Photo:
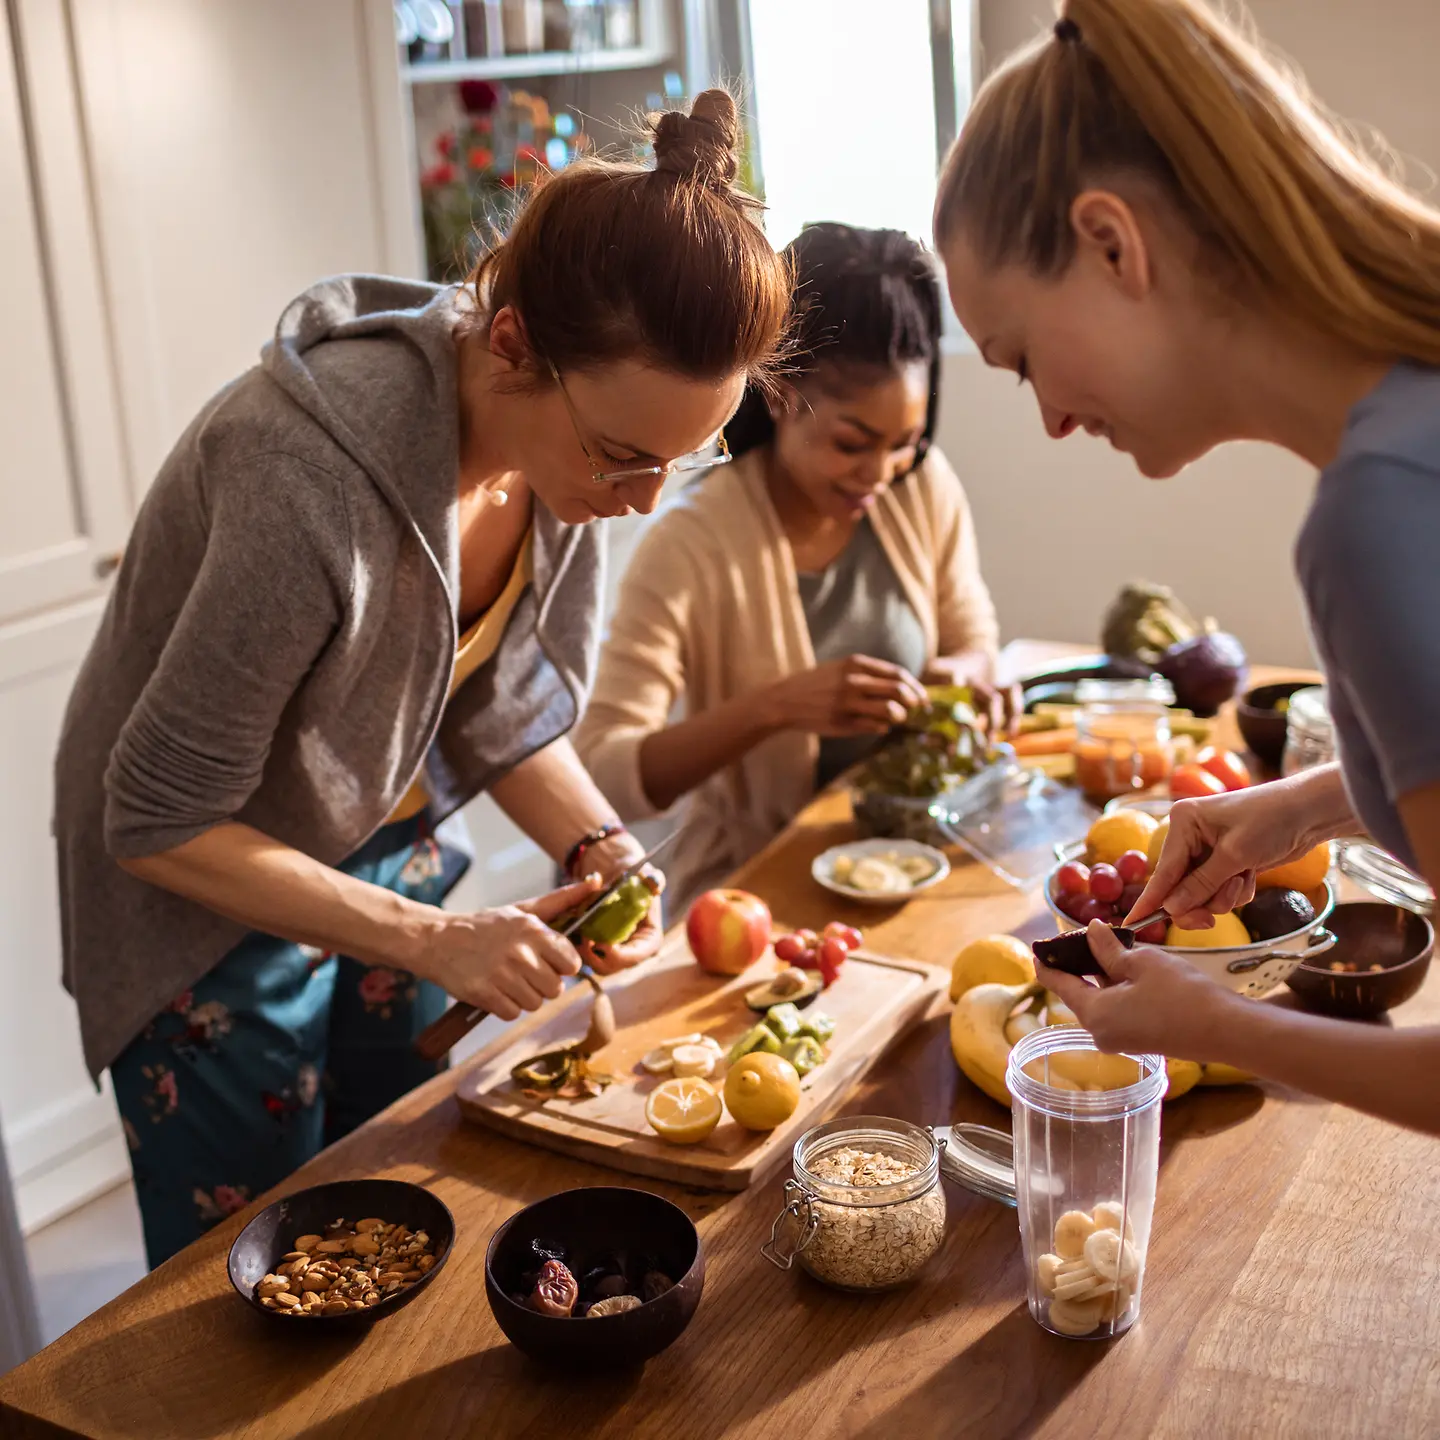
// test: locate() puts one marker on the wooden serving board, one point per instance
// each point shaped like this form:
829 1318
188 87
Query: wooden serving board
875 1000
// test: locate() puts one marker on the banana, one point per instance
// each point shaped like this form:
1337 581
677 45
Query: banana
693 1060
1076 1317
1111 1256
1215 1073
1072 1233
1045 1272
1057 1012
1108 1216
1184 1077
1017 1027
977 1034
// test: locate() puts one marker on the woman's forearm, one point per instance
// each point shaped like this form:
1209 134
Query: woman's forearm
1389 1073
673 761
1324 802
247 876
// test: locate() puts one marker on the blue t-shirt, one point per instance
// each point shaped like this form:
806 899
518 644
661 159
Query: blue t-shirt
1368 557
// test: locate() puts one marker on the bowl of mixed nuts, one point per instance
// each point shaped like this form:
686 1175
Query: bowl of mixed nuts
602 1276
347 1253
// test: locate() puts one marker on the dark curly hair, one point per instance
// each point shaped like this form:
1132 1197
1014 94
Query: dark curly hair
863 298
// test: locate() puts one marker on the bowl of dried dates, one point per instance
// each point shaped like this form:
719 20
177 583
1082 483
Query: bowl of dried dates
602 1276
348 1253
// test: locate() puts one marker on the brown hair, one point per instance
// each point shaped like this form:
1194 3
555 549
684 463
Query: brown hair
1168 92
611 260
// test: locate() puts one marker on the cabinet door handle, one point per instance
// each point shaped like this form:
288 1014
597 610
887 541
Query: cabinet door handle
107 565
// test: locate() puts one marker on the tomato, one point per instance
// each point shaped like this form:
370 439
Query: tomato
1105 884
1226 766
1134 867
847 935
1190 782
1073 879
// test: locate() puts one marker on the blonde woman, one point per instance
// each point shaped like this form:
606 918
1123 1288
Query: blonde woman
795 600
1153 226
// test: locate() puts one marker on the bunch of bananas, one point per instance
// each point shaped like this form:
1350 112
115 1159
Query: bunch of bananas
998 1001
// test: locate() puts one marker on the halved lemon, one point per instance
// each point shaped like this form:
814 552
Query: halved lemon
683 1111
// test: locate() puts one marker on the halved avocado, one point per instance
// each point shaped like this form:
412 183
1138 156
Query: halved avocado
793 987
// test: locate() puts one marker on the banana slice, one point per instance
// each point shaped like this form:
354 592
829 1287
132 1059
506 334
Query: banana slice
711 1043
676 1041
1072 1230
657 1062
1075 1317
1110 1216
1088 1286
1117 1304
1046 1268
693 1060
1112 1256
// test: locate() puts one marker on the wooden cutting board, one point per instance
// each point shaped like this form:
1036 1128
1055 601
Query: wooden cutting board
875 1000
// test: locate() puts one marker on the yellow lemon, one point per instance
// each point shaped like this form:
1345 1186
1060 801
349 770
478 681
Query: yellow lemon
683 1111
1112 835
1228 930
762 1091
1157 843
993 959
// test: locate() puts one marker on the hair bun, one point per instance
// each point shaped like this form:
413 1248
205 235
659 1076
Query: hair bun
701 145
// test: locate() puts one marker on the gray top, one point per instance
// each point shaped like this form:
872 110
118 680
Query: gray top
280 640
855 606
1368 557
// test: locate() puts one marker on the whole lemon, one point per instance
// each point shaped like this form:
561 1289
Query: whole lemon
993 959
1157 844
762 1091
1228 930
1113 834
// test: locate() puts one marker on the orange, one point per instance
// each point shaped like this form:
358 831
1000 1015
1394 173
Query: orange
1305 874
1113 834
684 1110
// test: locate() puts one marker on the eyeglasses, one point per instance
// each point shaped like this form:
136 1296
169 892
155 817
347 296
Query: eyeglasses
700 460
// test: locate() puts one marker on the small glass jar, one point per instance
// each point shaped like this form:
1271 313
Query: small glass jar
865 1211
1309 731
1087 1156
1122 741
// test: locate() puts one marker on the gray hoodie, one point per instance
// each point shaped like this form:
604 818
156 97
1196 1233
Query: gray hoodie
280 641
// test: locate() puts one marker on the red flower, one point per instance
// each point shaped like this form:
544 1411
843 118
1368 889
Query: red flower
230 1198
445 145
478 96
480 158
442 174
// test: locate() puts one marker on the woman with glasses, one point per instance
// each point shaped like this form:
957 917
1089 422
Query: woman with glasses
363 589
798 598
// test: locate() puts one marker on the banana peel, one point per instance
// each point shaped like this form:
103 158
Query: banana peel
989 1019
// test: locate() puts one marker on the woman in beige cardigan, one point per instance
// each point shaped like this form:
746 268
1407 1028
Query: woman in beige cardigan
797 598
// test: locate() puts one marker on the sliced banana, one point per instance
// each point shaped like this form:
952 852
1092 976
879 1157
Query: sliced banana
1111 1256
676 1041
711 1043
693 1060
1116 1304
1017 1027
1075 1317
1087 1286
1072 1230
1110 1216
657 1062
1045 1270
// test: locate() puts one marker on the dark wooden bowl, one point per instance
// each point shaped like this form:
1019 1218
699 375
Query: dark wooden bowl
260 1246
1261 724
587 1223
1370 933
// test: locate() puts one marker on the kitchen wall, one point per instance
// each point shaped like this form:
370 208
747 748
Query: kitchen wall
1063 524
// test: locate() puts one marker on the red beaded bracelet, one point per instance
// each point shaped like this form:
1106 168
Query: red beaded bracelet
576 853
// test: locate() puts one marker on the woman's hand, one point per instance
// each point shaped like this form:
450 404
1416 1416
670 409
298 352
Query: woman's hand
858 695
610 859
1000 706
1217 845
508 959
1151 1002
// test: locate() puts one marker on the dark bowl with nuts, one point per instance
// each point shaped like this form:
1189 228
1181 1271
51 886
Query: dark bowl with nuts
344 1254
1380 961
605 1276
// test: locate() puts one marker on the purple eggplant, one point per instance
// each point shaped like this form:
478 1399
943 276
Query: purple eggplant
1205 670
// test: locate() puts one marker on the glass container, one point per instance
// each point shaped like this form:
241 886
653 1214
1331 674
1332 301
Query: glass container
1309 732
1122 741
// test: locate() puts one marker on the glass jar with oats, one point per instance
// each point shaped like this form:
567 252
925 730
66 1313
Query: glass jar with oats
865 1210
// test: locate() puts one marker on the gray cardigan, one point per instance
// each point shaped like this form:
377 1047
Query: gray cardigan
280 641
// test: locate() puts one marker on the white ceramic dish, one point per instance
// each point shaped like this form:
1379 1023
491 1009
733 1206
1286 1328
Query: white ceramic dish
823 869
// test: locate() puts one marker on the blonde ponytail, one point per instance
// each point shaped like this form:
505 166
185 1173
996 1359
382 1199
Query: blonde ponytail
1168 91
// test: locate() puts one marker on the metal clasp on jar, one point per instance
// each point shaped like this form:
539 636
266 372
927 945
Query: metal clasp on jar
799 1204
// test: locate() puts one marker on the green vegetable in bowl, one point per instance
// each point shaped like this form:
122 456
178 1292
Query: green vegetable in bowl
939 746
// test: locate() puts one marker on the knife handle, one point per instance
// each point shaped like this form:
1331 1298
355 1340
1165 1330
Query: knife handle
436 1040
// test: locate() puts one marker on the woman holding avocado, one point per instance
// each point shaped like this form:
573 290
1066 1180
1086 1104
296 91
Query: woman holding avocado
1152 225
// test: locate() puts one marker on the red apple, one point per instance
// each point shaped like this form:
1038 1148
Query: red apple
728 930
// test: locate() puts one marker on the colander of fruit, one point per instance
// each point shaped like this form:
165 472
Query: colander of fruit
1251 950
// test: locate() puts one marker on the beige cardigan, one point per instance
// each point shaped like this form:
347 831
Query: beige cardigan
710 609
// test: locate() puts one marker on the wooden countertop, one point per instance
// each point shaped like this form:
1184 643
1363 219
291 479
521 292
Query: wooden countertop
1286 1294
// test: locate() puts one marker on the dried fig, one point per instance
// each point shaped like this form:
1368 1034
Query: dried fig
655 1285
555 1291
615 1305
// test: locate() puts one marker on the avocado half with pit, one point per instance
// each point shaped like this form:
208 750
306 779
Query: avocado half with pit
793 986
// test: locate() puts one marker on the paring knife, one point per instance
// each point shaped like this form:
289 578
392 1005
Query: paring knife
1070 952
460 1019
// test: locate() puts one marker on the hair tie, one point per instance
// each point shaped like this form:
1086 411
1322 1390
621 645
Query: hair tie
1067 30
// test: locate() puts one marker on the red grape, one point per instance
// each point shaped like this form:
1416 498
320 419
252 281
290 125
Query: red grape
1153 934
1070 905
1128 896
1106 884
847 935
791 949
1072 879
808 938
1134 867
1087 910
